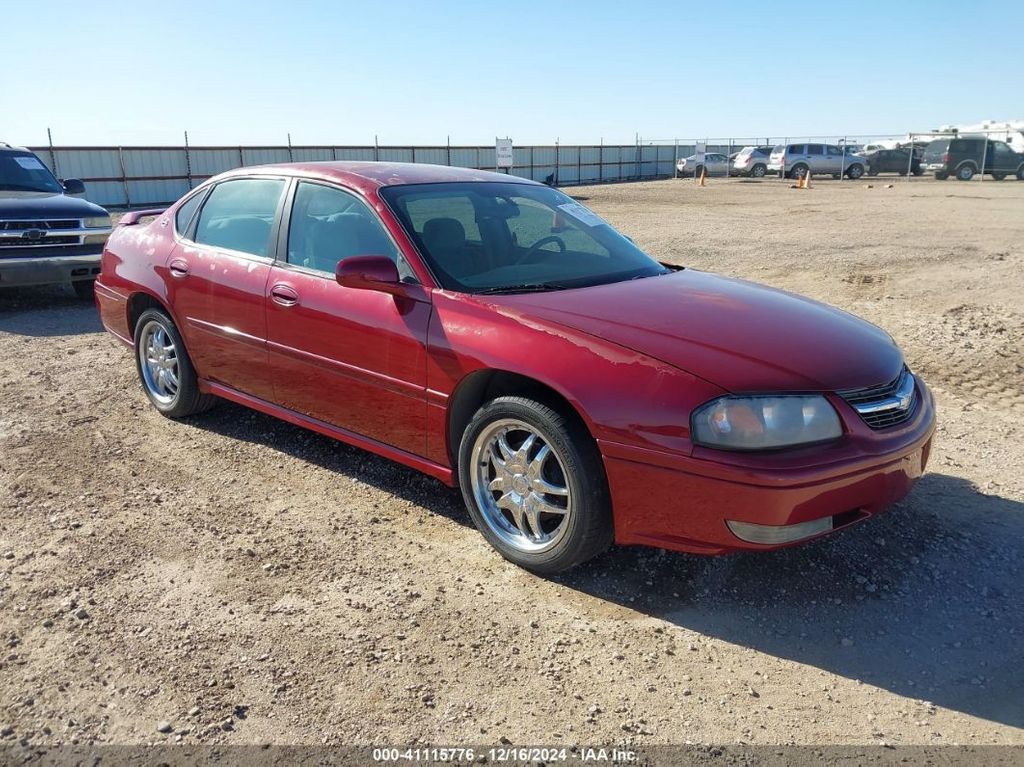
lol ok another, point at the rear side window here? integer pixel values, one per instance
(795, 149)
(239, 215)
(815, 149)
(184, 215)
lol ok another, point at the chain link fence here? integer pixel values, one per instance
(131, 176)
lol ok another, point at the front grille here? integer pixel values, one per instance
(885, 405)
(49, 224)
(21, 242)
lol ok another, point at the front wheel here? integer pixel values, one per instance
(165, 368)
(534, 485)
(941, 175)
(998, 176)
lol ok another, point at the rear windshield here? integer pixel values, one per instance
(936, 149)
(24, 172)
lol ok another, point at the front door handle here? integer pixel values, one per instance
(285, 295)
(178, 268)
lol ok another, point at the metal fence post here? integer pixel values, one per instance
(448, 153)
(376, 149)
(53, 155)
(579, 164)
(291, 157)
(675, 158)
(557, 161)
(241, 158)
(188, 162)
(124, 177)
(600, 160)
(984, 155)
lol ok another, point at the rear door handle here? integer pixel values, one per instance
(178, 268)
(285, 295)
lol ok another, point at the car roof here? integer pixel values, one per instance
(374, 175)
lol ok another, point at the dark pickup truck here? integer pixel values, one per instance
(46, 234)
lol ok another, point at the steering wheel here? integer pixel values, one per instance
(528, 255)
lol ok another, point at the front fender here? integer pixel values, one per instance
(621, 395)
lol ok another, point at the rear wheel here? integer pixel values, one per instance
(759, 170)
(999, 176)
(534, 485)
(698, 170)
(965, 172)
(85, 289)
(855, 171)
(165, 368)
(941, 175)
(799, 171)
(1020, 173)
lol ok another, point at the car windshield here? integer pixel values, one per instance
(499, 237)
(23, 172)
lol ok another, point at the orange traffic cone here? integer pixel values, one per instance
(703, 176)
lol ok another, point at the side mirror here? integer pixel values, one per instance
(368, 273)
(74, 186)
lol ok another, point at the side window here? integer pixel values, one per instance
(184, 215)
(834, 151)
(239, 215)
(328, 225)
(795, 149)
(815, 149)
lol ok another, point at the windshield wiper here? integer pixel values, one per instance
(528, 287)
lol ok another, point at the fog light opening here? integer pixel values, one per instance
(776, 534)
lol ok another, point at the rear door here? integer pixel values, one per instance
(352, 358)
(217, 276)
(817, 159)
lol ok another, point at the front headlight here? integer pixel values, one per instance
(96, 222)
(764, 422)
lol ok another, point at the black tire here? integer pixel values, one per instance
(187, 399)
(759, 170)
(855, 171)
(587, 528)
(1020, 173)
(798, 171)
(697, 171)
(965, 172)
(85, 289)
(999, 176)
(941, 175)
(872, 172)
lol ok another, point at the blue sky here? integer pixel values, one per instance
(418, 72)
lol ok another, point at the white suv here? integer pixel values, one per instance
(820, 159)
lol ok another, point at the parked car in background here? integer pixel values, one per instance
(499, 336)
(794, 160)
(752, 161)
(715, 163)
(966, 156)
(46, 235)
(902, 161)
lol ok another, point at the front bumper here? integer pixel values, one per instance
(687, 503)
(47, 270)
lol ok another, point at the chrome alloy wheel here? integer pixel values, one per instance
(519, 486)
(159, 358)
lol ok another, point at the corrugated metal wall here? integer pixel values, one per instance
(134, 176)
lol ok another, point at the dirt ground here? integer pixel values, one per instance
(240, 580)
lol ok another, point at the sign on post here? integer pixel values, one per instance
(503, 153)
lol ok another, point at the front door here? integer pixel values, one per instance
(353, 358)
(217, 277)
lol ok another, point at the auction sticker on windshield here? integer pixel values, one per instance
(29, 163)
(582, 214)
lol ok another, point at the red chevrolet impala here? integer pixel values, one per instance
(496, 334)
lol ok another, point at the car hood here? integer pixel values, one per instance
(738, 335)
(31, 205)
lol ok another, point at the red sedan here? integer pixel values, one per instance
(496, 334)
